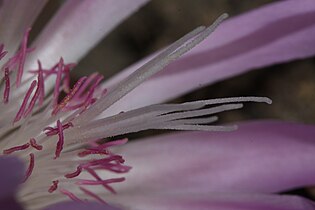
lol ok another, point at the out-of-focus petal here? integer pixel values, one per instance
(279, 32)
(12, 174)
(10, 204)
(80, 206)
(77, 27)
(215, 201)
(15, 17)
(259, 157)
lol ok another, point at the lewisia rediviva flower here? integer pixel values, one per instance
(59, 130)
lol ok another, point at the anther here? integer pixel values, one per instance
(22, 58)
(93, 195)
(7, 86)
(25, 100)
(58, 80)
(35, 145)
(16, 148)
(74, 174)
(70, 195)
(54, 186)
(60, 142)
(69, 96)
(30, 167)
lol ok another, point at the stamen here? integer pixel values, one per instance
(15, 60)
(16, 148)
(25, 100)
(92, 152)
(69, 96)
(2, 52)
(38, 92)
(41, 85)
(66, 80)
(22, 58)
(86, 84)
(54, 186)
(89, 95)
(101, 182)
(93, 195)
(30, 167)
(96, 176)
(60, 142)
(7, 86)
(53, 131)
(104, 161)
(74, 174)
(35, 145)
(117, 168)
(102, 149)
(70, 195)
(57, 85)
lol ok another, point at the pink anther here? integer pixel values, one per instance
(30, 167)
(41, 85)
(99, 182)
(16, 148)
(6, 93)
(54, 186)
(58, 81)
(25, 100)
(53, 131)
(70, 195)
(96, 176)
(35, 145)
(66, 80)
(68, 97)
(60, 142)
(35, 96)
(2, 52)
(74, 174)
(92, 152)
(93, 195)
(22, 58)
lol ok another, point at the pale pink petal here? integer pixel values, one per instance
(15, 17)
(215, 201)
(79, 26)
(80, 206)
(279, 32)
(258, 157)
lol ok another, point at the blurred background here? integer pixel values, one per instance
(291, 86)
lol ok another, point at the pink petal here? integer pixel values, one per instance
(11, 176)
(80, 206)
(214, 201)
(79, 26)
(258, 157)
(15, 17)
(279, 32)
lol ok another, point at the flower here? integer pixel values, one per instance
(188, 170)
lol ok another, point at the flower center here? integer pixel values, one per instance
(62, 135)
(43, 119)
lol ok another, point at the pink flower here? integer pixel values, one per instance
(60, 138)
